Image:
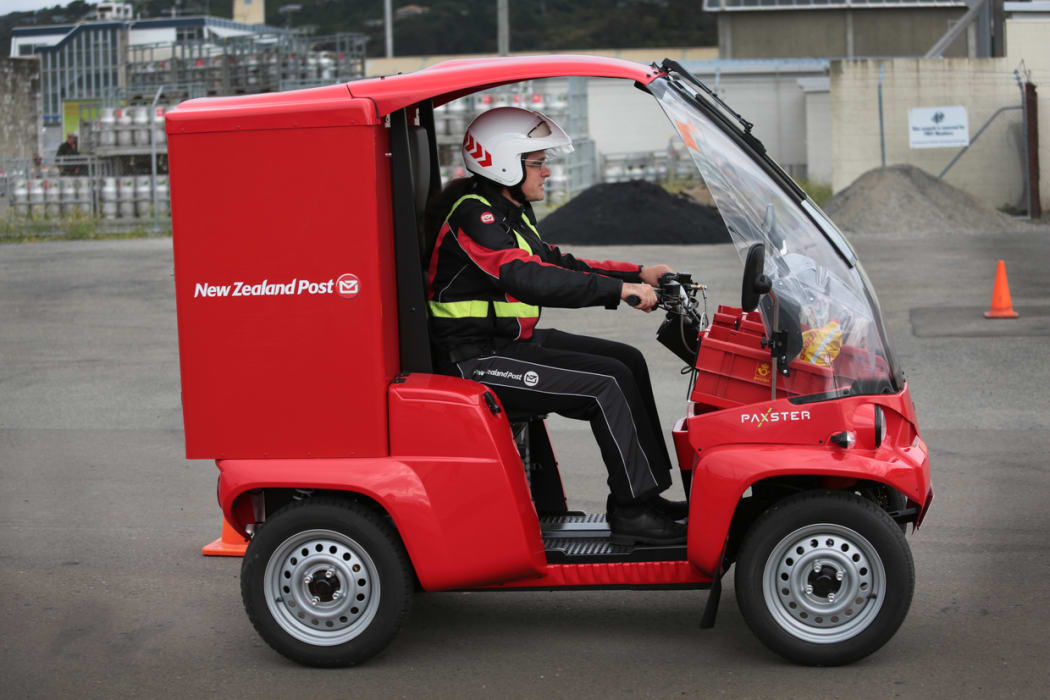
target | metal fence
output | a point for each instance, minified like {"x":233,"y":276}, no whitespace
{"x":96,"y":60}
{"x":245,"y":64}
{"x":81,"y":187}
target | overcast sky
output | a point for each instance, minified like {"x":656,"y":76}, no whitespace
{"x":24,"y":5}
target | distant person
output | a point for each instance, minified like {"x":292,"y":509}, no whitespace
{"x":489,"y":274}
{"x":69,"y":148}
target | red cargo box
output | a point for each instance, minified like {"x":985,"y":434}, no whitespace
{"x":286,"y":304}
{"x":733,"y":374}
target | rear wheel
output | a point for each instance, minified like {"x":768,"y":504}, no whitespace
{"x":326,"y":582}
{"x":824,"y":578}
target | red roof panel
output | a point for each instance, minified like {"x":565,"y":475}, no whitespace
{"x":451,"y":79}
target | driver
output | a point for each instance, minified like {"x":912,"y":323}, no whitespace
{"x":488,"y":275}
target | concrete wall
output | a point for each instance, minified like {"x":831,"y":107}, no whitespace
{"x":837,"y":33}
{"x":818,"y":145}
{"x":992,"y":169}
{"x":19,"y":85}
{"x":623,"y":119}
{"x":249,"y":11}
{"x":777,"y":107}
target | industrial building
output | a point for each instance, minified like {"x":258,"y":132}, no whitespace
{"x":854,"y":28}
{"x":108,"y":79}
{"x":114,"y":61}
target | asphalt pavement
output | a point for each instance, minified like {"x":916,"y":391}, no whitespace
{"x":102,"y":518}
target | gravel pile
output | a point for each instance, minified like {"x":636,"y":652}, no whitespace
{"x":903,"y":200}
{"x":635,"y":212}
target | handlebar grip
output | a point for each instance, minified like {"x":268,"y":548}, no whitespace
{"x":633,"y":300}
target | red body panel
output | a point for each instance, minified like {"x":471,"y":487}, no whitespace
{"x":451,"y":79}
{"x":453,"y":485}
{"x":643,"y":573}
{"x":298,"y":371}
{"x":297,"y":109}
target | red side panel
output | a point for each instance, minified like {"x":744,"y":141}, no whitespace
{"x":283,"y":276}
{"x":454,"y":486}
{"x":473,"y":478}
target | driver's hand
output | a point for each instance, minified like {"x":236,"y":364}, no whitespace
{"x":651,"y":274}
{"x":643,"y":292}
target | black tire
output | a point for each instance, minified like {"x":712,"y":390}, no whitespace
{"x":317,"y":619}
{"x":854,"y":603}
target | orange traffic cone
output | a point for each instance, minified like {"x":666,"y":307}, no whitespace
{"x":231,"y":544}
{"x":1002,"y":307}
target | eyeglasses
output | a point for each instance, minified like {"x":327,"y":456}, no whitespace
{"x":534,"y":163}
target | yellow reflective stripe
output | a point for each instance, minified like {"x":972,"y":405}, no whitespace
{"x":517,"y":309}
{"x":523,"y":244}
{"x":459,"y":309}
{"x":480,"y":309}
{"x":463,"y":199}
{"x":534,"y":230}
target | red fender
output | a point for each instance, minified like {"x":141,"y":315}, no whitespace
{"x":454,"y":485}
{"x":725,"y":473}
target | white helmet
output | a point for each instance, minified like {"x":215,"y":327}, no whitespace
{"x":496,"y":140}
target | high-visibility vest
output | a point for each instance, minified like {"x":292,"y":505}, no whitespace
{"x":480,"y":308}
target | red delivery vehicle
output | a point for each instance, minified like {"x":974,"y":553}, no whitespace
{"x":362,"y":477}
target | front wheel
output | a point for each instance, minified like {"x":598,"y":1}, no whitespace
{"x":824,"y":578}
{"x":326,"y":582}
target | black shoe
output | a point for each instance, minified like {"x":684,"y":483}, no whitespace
{"x":644,"y":524}
{"x":675,"y":510}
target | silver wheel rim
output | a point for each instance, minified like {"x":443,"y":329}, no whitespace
{"x":824,"y":583}
{"x":322,"y":587}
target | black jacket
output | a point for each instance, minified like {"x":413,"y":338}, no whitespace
{"x":490,"y":272}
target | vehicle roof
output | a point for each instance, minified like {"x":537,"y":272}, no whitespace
{"x":449,"y":80}
{"x":443,"y":82}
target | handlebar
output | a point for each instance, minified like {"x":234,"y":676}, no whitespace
{"x":676,"y":294}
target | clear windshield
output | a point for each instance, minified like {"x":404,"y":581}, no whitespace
{"x":826,"y":304}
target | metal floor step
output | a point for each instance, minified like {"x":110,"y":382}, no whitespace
{"x":574,"y":524}
{"x":578,"y":538}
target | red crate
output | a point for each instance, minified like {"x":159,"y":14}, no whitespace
{"x":734,"y":317}
{"x":856,"y":363}
{"x":727,"y":334}
{"x":737,"y":373}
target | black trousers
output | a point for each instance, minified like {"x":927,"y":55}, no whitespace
{"x":601,"y":381}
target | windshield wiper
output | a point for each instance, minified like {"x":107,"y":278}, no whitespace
{"x":721,"y":112}
{"x":668,"y":65}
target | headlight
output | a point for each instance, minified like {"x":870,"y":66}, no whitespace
{"x":880,"y":425}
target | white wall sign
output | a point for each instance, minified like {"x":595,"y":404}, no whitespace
{"x":938,"y":127}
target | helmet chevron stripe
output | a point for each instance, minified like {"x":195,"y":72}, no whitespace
{"x":476,"y":151}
